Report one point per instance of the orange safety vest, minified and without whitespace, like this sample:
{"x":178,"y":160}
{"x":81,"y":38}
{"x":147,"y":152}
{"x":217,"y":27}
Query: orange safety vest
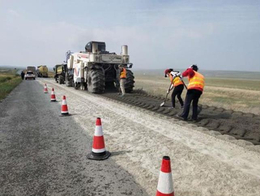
{"x":123,"y":74}
{"x":176,"y":81}
{"x":196,"y":82}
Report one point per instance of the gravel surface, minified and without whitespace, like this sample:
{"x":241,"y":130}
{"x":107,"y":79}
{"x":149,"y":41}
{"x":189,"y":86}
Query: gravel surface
{"x":203,"y":162}
{"x":45,"y":154}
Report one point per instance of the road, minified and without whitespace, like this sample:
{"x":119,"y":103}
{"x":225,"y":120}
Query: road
{"x":44,"y":154}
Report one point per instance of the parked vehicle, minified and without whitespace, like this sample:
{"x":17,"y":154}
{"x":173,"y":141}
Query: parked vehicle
{"x":29,"y":75}
{"x":42,"y":71}
{"x":31,"y":68}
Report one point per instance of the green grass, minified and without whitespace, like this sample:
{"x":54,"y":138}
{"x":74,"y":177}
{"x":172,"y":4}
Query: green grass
{"x":234,"y":83}
{"x":8,"y":81}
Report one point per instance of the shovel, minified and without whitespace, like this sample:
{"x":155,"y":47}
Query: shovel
{"x":162,"y":104}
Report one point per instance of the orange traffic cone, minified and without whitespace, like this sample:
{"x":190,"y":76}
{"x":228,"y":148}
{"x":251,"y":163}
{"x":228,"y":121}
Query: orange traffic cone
{"x":53,"y":97}
{"x":64,"y":107}
{"x":98,"y":147}
{"x":165,"y":184}
{"x":45,"y":89}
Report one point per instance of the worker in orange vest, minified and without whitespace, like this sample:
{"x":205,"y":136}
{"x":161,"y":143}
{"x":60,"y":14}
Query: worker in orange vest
{"x":194,"y":91}
{"x":177,"y":84}
{"x":122,"y":79}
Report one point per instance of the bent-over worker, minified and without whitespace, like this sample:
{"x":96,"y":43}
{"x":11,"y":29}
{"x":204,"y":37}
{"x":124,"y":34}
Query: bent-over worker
{"x":177,"y":84}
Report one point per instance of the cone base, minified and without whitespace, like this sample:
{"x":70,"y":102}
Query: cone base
{"x":98,"y":156}
{"x":65,"y":114}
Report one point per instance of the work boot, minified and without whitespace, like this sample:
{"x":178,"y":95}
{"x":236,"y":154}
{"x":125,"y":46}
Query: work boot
{"x":180,"y":117}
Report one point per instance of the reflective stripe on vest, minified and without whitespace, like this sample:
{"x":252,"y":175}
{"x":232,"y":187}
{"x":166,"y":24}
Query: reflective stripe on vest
{"x":197,"y":81}
{"x":177,"y":81}
{"x":123,"y":73}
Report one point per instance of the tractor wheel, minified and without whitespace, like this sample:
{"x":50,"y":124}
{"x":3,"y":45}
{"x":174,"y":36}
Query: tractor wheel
{"x":61,"y":80}
{"x":68,"y":82}
{"x":129,"y":83}
{"x":76,"y":85}
{"x":96,"y":81}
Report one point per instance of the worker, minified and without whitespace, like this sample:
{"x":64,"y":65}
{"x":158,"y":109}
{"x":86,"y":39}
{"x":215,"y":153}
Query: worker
{"x":122,"y":72}
{"x":177,"y":84}
{"x":22,"y":75}
{"x":194,"y":91}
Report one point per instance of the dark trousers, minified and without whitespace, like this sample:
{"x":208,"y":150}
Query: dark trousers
{"x":177,"y":91}
{"x":191,"y":96}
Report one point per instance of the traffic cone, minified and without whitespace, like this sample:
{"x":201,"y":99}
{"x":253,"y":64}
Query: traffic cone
{"x":53,"y":97}
{"x":45,"y":89}
{"x":165,"y":184}
{"x":98,"y":147}
{"x":64,"y":107}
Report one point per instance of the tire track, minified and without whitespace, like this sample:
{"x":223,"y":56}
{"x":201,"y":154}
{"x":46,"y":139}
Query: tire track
{"x":240,"y":125}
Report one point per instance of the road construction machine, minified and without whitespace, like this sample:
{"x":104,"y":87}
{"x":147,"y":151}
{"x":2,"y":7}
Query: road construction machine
{"x":97,"y":69}
{"x":42,"y":71}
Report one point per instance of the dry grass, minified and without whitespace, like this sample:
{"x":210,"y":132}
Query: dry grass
{"x":239,"y":95}
{"x":8,"y":81}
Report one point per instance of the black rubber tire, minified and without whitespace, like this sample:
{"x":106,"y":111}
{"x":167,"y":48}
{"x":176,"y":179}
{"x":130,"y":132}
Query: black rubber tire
{"x":61,"y":80}
{"x":69,"y":82}
{"x":129,"y":83}
{"x":96,"y":81}
{"x":76,"y":86}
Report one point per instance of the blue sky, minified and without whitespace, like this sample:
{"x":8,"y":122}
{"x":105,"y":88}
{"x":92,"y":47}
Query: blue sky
{"x":214,"y":34}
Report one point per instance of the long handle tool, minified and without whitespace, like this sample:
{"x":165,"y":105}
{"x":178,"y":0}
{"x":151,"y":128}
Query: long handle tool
{"x":162,"y":104}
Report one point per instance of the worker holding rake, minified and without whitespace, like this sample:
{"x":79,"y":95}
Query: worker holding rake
{"x":176,"y":84}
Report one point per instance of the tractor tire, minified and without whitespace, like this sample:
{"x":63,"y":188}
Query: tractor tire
{"x":69,"y":82}
{"x":76,"y":85}
{"x":96,"y":81}
{"x":61,"y":80}
{"x":129,"y":83}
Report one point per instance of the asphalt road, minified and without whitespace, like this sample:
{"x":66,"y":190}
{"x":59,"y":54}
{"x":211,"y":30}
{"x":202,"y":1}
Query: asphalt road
{"x":45,"y":154}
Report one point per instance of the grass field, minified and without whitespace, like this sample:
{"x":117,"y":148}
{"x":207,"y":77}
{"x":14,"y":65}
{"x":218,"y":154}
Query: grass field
{"x":8,"y":81}
{"x":239,"y":92}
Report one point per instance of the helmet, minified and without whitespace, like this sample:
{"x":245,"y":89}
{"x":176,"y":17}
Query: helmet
{"x":167,"y":71}
{"x":194,"y":67}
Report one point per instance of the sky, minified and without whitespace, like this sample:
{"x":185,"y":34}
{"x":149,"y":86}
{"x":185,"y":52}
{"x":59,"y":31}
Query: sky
{"x":214,"y":34}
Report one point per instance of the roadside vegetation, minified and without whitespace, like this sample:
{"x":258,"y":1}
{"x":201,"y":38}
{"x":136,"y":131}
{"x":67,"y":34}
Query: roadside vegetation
{"x":8,"y":81}
{"x":229,"y":93}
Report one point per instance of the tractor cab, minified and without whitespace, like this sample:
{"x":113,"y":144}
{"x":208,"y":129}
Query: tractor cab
{"x":96,"y":47}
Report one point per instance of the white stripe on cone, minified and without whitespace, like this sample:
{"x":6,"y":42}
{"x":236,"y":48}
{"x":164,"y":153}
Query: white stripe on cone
{"x":98,"y":131}
{"x":63,"y":102}
{"x":165,"y":183}
{"x":98,"y":150}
